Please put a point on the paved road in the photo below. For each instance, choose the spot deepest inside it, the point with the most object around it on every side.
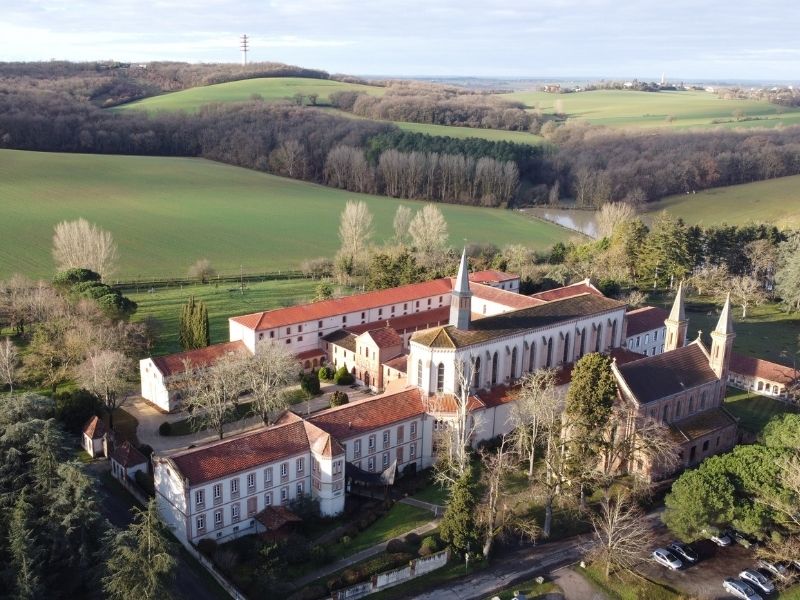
(575, 586)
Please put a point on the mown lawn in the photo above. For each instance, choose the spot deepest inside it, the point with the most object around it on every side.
(754, 411)
(626, 587)
(222, 301)
(530, 588)
(400, 519)
(434, 494)
(166, 213)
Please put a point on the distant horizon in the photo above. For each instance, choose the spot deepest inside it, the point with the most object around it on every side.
(710, 41)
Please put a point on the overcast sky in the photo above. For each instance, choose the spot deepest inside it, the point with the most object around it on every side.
(697, 39)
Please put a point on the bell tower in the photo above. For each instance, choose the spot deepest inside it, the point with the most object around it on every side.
(722, 342)
(461, 297)
(676, 323)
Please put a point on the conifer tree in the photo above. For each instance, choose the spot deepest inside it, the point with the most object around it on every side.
(458, 527)
(46, 448)
(26, 557)
(193, 329)
(140, 561)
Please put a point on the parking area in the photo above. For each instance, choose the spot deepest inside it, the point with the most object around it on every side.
(704, 579)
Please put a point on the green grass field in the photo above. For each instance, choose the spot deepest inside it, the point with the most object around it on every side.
(165, 213)
(222, 301)
(752, 410)
(621, 108)
(271, 89)
(774, 201)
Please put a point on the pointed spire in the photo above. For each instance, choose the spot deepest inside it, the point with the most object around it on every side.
(678, 312)
(462, 280)
(725, 323)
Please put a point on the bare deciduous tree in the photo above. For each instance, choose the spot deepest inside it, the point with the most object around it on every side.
(709, 277)
(355, 231)
(636, 298)
(104, 373)
(9, 361)
(289, 159)
(745, 291)
(211, 394)
(267, 374)
(622, 536)
(611, 215)
(428, 230)
(80, 244)
(402, 223)
(535, 411)
(202, 270)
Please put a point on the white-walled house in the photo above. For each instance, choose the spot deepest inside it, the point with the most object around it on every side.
(126, 461)
(646, 331)
(761, 376)
(93, 437)
(157, 373)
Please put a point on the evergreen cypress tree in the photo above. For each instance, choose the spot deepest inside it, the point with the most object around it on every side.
(203, 338)
(184, 325)
(193, 330)
(26, 556)
(140, 559)
(458, 527)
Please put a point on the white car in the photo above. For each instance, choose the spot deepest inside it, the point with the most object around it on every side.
(740, 589)
(721, 539)
(666, 558)
(757, 580)
(777, 570)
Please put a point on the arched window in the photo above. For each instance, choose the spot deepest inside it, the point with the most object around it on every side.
(613, 333)
(583, 343)
(549, 362)
(532, 359)
(494, 369)
(599, 340)
(565, 357)
(476, 376)
(702, 400)
(666, 413)
(419, 373)
(440, 378)
(691, 405)
(514, 363)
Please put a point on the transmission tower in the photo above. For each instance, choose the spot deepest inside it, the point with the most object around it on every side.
(245, 47)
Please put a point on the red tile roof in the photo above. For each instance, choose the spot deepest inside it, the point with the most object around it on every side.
(246, 451)
(498, 395)
(385, 337)
(398, 363)
(623, 355)
(410, 322)
(447, 403)
(275, 517)
(313, 353)
(339, 306)
(491, 276)
(172, 364)
(128, 456)
(644, 319)
(510, 299)
(582, 287)
(95, 428)
(363, 416)
(764, 369)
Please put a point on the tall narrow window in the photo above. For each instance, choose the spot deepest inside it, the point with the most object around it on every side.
(419, 373)
(598, 343)
(549, 362)
(613, 333)
(565, 356)
(494, 369)
(583, 343)
(476, 376)
(514, 363)
(532, 358)
(440, 378)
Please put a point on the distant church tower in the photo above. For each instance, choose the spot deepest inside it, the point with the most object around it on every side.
(676, 323)
(722, 342)
(461, 297)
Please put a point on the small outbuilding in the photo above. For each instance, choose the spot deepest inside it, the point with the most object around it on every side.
(126, 461)
(94, 437)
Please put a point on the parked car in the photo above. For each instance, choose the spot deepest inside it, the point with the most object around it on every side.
(740, 538)
(777, 570)
(721, 539)
(740, 589)
(757, 580)
(684, 552)
(666, 558)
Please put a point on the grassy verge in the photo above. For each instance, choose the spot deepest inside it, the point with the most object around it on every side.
(628, 587)
(793, 593)
(530, 588)
(400, 519)
(453, 570)
(434, 494)
(752, 410)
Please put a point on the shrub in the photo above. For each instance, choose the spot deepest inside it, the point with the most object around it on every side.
(74, 409)
(413, 539)
(325, 373)
(320, 555)
(345, 539)
(165, 428)
(396, 547)
(609, 287)
(207, 547)
(342, 377)
(309, 383)
(429, 546)
(338, 398)
(66, 279)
